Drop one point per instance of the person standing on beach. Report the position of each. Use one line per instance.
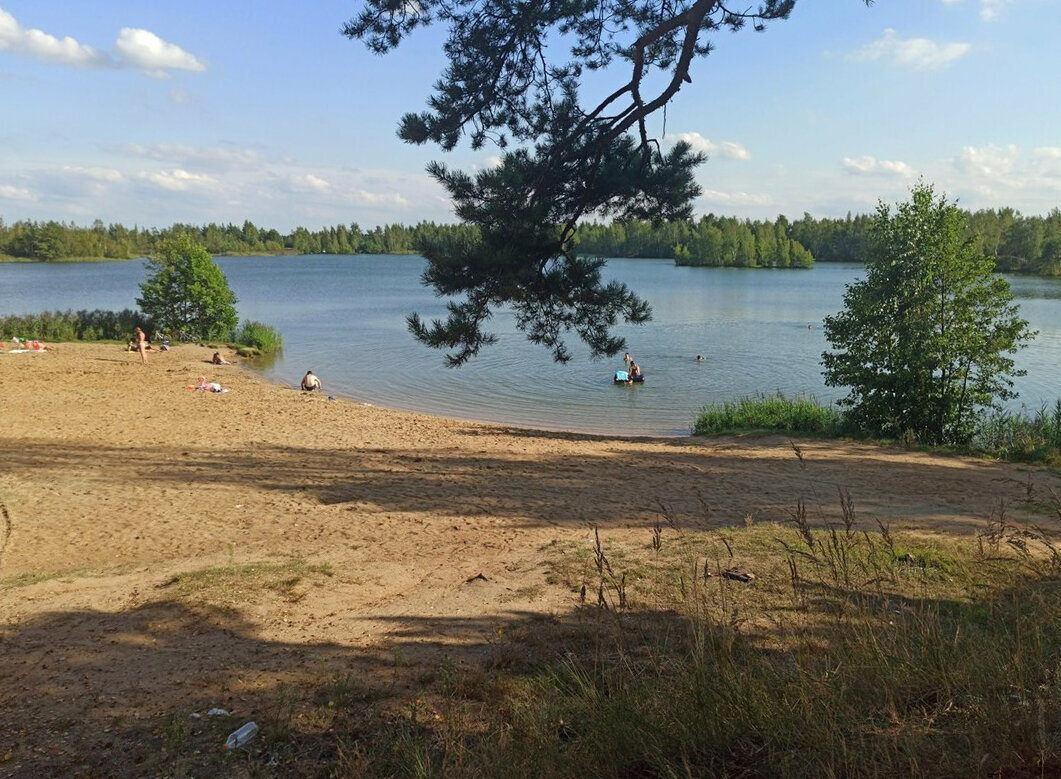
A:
(141, 345)
(310, 382)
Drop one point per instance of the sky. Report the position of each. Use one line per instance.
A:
(154, 113)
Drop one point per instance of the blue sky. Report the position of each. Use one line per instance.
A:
(155, 113)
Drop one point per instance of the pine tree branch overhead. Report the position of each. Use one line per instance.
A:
(514, 68)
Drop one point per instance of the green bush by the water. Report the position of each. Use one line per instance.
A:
(74, 325)
(258, 336)
(1021, 437)
(773, 412)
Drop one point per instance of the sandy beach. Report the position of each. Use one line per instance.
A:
(116, 480)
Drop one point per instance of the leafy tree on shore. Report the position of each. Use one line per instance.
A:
(924, 340)
(187, 292)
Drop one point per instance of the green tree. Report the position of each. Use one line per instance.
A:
(509, 81)
(186, 291)
(924, 340)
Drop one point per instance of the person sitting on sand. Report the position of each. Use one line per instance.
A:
(218, 359)
(310, 382)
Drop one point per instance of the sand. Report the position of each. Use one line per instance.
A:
(115, 478)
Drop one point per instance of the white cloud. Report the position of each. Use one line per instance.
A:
(912, 52)
(105, 175)
(47, 48)
(308, 182)
(135, 48)
(379, 198)
(990, 9)
(180, 180)
(1048, 152)
(729, 150)
(135, 186)
(184, 155)
(871, 166)
(735, 198)
(8, 192)
(144, 50)
(992, 162)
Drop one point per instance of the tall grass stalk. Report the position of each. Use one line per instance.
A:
(1023, 436)
(887, 657)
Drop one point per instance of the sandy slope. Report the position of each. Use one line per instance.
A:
(114, 477)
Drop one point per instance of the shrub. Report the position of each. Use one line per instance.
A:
(792, 415)
(258, 336)
(82, 325)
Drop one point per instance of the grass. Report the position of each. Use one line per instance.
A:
(1023, 437)
(235, 584)
(853, 652)
(254, 338)
(769, 412)
(1004, 435)
(29, 578)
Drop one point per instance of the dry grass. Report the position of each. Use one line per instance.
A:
(766, 650)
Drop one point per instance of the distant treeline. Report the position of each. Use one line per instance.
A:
(56, 240)
(1024, 244)
(1021, 244)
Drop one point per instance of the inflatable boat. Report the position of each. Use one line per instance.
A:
(623, 377)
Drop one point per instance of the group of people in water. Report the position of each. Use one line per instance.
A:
(633, 370)
(633, 373)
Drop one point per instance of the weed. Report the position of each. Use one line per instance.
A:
(233, 584)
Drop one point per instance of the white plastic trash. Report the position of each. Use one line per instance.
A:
(238, 738)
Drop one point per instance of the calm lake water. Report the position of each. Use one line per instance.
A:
(344, 318)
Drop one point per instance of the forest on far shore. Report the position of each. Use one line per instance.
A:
(1017, 243)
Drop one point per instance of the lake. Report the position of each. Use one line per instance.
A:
(344, 317)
